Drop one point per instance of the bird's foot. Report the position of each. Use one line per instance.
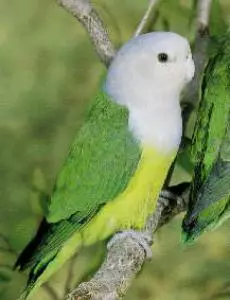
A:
(142, 238)
(167, 198)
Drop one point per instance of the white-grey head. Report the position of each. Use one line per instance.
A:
(151, 67)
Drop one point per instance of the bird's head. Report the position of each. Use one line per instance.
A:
(150, 67)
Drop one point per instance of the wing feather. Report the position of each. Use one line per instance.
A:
(101, 161)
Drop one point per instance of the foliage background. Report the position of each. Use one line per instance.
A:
(48, 74)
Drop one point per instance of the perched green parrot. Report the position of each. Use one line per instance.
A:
(119, 160)
(209, 200)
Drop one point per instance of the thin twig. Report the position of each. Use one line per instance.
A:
(203, 15)
(87, 15)
(146, 17)
(191, 96)
(202, 36)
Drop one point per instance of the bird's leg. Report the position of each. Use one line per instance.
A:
(167, 196)
(141, 237)
(168, 201)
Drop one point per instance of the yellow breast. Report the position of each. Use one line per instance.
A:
(131, 208)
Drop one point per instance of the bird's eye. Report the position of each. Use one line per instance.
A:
(163, 57)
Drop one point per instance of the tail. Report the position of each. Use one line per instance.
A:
(52, 246)
(37, 276)
(193, 226)
(41, 272)
(31, 254)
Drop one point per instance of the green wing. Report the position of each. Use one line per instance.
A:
(101, 161)
(210, 150)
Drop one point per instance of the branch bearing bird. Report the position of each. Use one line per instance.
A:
(119, 160)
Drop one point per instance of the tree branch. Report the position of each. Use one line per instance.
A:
(126, 254)
(202, 36)
(191, 96)
(146, 17)
(87, 15)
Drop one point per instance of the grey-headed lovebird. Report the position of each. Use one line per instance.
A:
(209, 203)
(119, 160)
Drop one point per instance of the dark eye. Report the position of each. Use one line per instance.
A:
(163, 57)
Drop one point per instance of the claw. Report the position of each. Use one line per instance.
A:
(141, 237)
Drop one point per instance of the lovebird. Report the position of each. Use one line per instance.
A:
(209, 203)
(118, 162)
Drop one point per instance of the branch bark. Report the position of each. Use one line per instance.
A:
(191, 96)
(88, 17)
(146, 17)
(126, 255)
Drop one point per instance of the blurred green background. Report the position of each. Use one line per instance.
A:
(48, 73)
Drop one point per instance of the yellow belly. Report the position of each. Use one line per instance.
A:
(131, 208)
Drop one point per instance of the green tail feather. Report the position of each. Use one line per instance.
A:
(34, 278)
